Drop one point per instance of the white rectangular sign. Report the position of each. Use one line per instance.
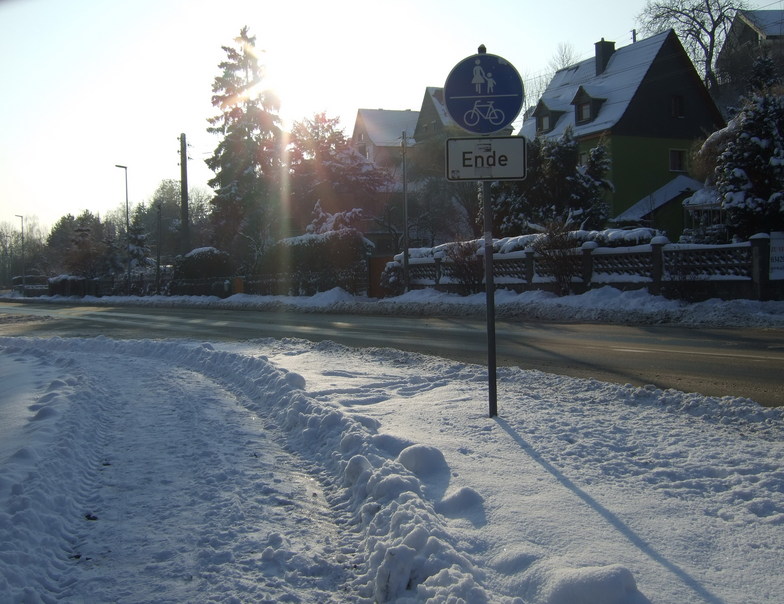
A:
(498, 158)
(776, 255)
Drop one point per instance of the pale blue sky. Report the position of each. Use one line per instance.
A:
(88, 84)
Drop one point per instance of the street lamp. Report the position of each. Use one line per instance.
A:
(24, 279)
(127, 231)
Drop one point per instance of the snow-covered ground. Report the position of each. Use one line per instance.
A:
(288, 471)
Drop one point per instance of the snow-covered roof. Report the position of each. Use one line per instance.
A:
(768, 22)
(437, 94)
(617, 84)
(706, 198)
(678, 185)
(384, 127)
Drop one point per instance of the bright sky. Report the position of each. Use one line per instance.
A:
(88, 84)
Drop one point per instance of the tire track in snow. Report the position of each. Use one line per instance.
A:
(179, 493)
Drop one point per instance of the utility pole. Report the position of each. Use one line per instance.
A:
(127, 232)
(158, 252)
(24, 271)
(185, 242)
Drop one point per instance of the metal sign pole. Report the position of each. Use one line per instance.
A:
(483, 94)
(490, 294)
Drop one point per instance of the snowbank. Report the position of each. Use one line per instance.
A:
(605, 304)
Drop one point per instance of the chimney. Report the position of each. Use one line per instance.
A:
(604, 50)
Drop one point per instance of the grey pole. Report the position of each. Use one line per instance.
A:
(490, 294)
(405, 213)
(127, 232)
(24, 271)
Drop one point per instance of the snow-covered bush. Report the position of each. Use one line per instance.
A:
(319, 262)
(750, 170)
(466, 267)
(392, 279)
(203, 263)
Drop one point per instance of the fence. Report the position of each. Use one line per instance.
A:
(691, 272)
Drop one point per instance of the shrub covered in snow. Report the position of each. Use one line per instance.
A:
(320, 261)
(203, 263)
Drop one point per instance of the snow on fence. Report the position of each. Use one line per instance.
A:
(737, 270)
(688, 271)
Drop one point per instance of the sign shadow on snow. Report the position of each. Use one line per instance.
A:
(611, 518)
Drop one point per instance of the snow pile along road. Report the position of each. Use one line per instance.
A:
(161, 471)
(155, 475)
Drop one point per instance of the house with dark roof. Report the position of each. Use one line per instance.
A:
(645, 101)
(753, 34)
(378, 135)
(433, 118)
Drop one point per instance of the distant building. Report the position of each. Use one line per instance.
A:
(647, 102)
(753, 34)
(378, 135)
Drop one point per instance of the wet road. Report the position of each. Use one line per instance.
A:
(719, 362)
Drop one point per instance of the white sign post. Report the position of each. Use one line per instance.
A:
(500, 158)
(776, 255)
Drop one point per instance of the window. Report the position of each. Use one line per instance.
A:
(676, 106)
(584, 112)
(677, 160)
(544, 123)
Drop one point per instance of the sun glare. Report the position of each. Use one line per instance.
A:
(284, 78)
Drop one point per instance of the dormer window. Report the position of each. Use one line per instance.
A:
(584, 112)
(546, 119)
(586, 107)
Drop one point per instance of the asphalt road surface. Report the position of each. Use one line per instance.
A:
(718, 362)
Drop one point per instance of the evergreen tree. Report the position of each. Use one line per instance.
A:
(246, 161)
(324, 169)
(763, 75)
(563, 191)
(138, 244)
(594, 184)
(59, 241)
(750, 170)
(87, 255)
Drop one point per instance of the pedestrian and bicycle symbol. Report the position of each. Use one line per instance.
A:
(483, 93)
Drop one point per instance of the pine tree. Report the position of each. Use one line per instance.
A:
(563, 191)
(247, 160)
(138, 244)
(750, 170)
(325, 169)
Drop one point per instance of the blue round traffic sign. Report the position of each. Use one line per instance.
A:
(483, 93)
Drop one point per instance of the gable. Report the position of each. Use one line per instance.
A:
(672, 100)
(433, 117)
(766, 23)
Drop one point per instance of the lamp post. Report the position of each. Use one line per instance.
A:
(127, 232)
(24, 278)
